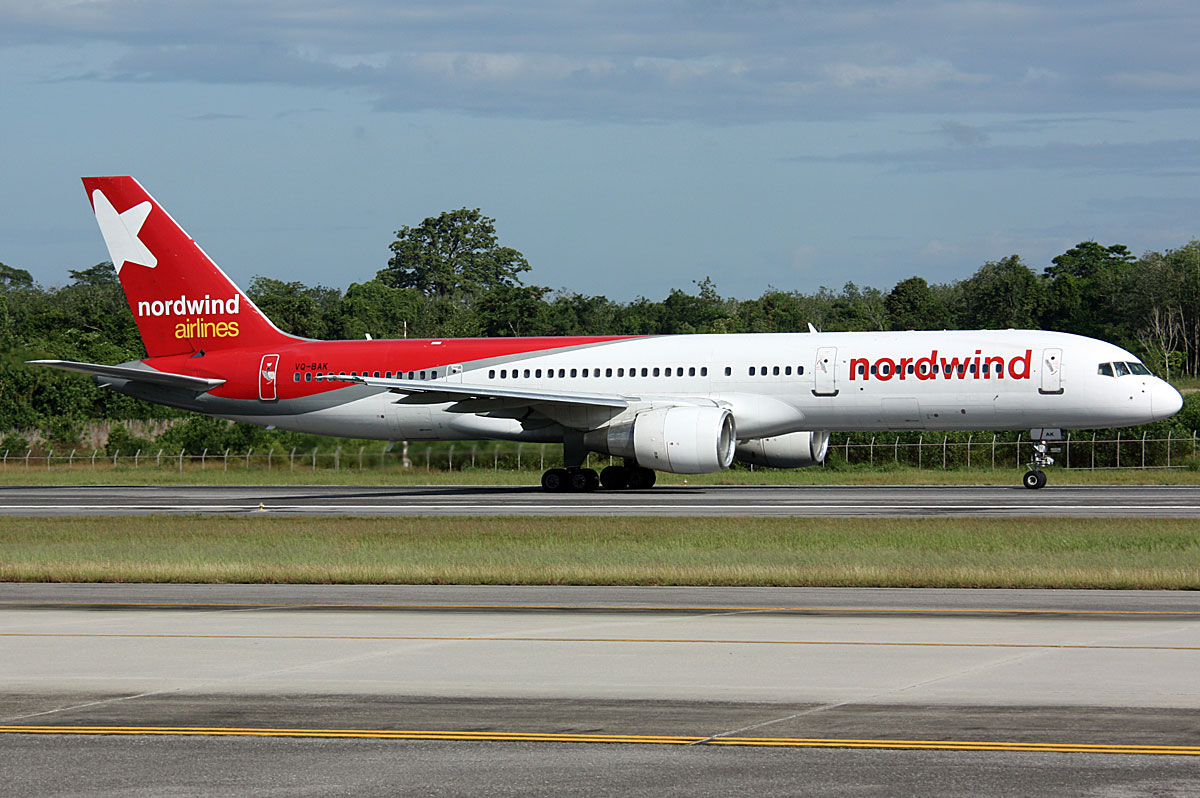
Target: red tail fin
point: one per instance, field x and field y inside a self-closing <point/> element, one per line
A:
<point x="181" y="300"/>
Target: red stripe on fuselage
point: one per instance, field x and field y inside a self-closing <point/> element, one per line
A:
<point x="239" y="367"/>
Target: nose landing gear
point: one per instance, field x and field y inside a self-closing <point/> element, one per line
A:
<point x="1035" y="477"/>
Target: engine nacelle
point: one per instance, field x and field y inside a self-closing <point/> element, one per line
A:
<point x="794" y="450"/>
<point x="680" y="440"/>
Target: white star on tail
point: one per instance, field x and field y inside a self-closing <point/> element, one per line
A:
<point x="120" y="231"/>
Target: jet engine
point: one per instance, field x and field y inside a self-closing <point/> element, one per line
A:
<point x="680" y="440"/>
<point x="794" y="450"/>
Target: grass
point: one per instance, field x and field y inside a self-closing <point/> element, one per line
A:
<point x="1010" y="553"/>
<point x="853" y="475"/>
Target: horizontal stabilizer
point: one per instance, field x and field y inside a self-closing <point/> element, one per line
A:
<point x="134" y="374"/>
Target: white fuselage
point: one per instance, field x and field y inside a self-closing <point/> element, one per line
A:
<point x="780" y="383"/>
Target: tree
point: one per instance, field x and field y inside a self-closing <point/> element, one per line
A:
<point x="380" y="311"/>
<point x="452" y="254"/>
<point x="1002" y="294"/>
<point x="297" y="308"/>
<point x="1086" y="291"/>
<point x="14" y="278"/>
<point x="912" y="305"/>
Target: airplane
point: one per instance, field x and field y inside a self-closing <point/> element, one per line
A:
<point x="684" y="404"/>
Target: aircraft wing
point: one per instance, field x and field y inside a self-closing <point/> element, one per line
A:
<point x="481" y="396"/>
<point x="134" y="374"/>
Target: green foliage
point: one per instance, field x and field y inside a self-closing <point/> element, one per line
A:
<point x="1003" y="294"/>
<point x="295" y="307"/>
<point x="120" y="439"/>
<point x="198" y="434"/>
<point x="14" y="443"/>
<point x="455" y="253"/>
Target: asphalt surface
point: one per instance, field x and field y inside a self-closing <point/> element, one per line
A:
<point x="175" y="689"/>
<point x="855" y="501"/>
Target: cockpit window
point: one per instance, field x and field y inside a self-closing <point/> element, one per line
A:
<point x="1123" y="369"/>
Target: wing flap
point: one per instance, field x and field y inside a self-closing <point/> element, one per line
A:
<point x="134" y="374"/>
<point x="437" y="392"/>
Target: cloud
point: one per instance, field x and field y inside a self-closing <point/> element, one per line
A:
<point x="1179" y="157"/>
<point x="705" y="60"/>
<point x="216" y="117"/>
<point x="963" y="135"/>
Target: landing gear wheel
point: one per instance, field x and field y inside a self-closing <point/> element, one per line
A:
<point x="584" y="480"/>
<point x="1034" y="479"/>
<point x="642" y="477"/>
<point x="615" y="478"/>
<point x="556" y="480"/>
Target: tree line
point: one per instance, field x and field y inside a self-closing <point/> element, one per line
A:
<point x="450" y="277"/>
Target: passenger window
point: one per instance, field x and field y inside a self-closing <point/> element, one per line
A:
<point x="728" y="371"/>
<point x="787" y="371"/>
<point x="775" y="371"/>
<point x="752" y="371"/>
<point x="585" y="372"/>
<point x="537" y="373"/>
<point x="526" y="373"/>
<point x="608" y="372"/>
<point x="574" y="372"/>
<point x="422" y="375"/>
<point x="620" y="372"/>
<point x="704" y="371"/>
<point x="388" y="374"/>
<point x="503" y="374"/>
<point x="668" y="371"/>
<point x="295" y="376"/>
<point x="1105" y="370"/>
<point x="1121" y="368"/>
<point x="308" y="376"/>
<point x="645" y="371"/>
<point x="764" y="371"/>
<point x="691" y="371"/>
<point x="376" y="374"/>
<point x="656" y="371"/>
<point x="562" y="373"/>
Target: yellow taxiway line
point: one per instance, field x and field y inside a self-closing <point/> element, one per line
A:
<point x="551" y="737"/>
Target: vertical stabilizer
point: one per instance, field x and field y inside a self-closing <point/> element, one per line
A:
<point x="181" y="300"/>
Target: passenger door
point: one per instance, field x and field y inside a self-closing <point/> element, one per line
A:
<point x="825" y="372"/>
<point x="1051" y="371"/>
<point x="268" y="372"/>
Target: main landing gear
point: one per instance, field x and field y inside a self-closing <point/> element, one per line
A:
<point x="585" y="480"/>
<point x="1035" y="477"/>
<point x="574" y="478"/>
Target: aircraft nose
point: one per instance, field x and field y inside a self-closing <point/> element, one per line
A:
<point x="1165" y="401"/>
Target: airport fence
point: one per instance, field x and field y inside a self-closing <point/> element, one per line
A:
<point x="948" y="451"/>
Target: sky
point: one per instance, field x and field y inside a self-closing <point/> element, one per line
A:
<point x="626" y="148"/>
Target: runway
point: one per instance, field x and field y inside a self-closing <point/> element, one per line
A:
<point x="853" y="501"/>
<point x="451" y="689"/>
